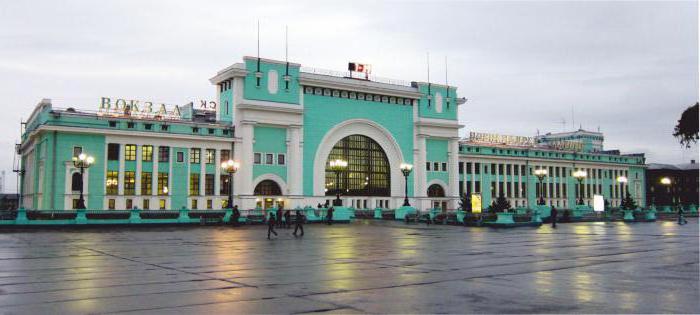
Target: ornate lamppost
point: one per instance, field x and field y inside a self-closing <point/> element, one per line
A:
<point x="668" y="183"/>
<point x="580" y="175"/>
<point x="82" y="162"/>
<point x="541" y="173"/>
<point x="406" y="170"/>
<point x="230" y="167"/>
<point x="338" y="166"/>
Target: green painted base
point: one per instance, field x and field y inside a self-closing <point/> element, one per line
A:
<point x="544" y="210"/>
<point x="581" y="210"/>
<point x="629" y="215"/>
<point x="400" y="213"/>
<point x="460" y="216"/>
<point x="504" y="218"/>
<point x="650" y="215"/>
<point x="378" y="213"/>
<point x="342" y="214"/>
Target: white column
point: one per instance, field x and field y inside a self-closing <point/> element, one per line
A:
<point x="120" y="187"/>
<point x="202" y="173"/>
<point x="294" y="161"/>
<point x="154" y="174"/>
<point x="217" y="172"/>
<point x="419" y="158"/>
<point x="137" y="176"/>
<point x="453" y="155"/>
<point x="243" y="179"/>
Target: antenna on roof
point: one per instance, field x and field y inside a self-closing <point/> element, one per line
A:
<point x="286" y="57"/>
<point x="573" y="124"/>
<point x="447" y="84"/>
<point x="258" y="74"/>
<point x="428" y="62"/>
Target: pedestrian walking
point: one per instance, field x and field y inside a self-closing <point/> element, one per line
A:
<point x="329" y="216"/>
<point x="271" y="225"/>
<point x="279" y="215"/>
<point x="299" y="220"/>
<point x="554" y="217"/>
<point x="287" y="219"/>
<point x="681" y="217"/>
<point x="235" y="215"/>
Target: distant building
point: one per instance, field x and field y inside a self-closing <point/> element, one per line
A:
<point x="682" y="186"/>
<point x="9" y="201"/>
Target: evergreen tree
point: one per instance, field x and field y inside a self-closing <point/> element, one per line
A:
<point x="628" y="203"/>
<point x="465" y="203"/>
<point x="501" y="204"/>
<point x="687" y="128"/>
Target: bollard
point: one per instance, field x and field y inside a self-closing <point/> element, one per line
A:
<point x="378" y="213"/>
<point x="80" y="217"/>
<point x="184" y="216"/>
<point x="134" y="216"/>
<point x="21" y="216"/>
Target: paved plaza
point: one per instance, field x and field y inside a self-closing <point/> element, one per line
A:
<point x="362" y="267"/>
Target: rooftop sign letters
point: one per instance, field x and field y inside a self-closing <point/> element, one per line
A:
<point x="500" y="139"/>
<point x="148" y="109"/>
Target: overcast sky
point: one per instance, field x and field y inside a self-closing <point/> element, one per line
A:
<point x="628" y="68"/>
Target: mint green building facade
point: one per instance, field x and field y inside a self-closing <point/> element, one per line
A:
<point x="284" y="124"/>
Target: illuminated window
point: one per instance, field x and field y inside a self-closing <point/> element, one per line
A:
<point x="129" y="183"/>
<point x="267" y="188"/>
<point x="111" y="204"/>
<point x="162" y="184"/>
<point x="367" y="173"/>
<point x="146" y="183"/>
<point x="146" y="204"/>
<point x="194" y="204"/>
<point x="130" y="152"/>
<point x="224" y="185"/>
<point x="112" y="182"/>
<point x="161" y="204"/>
<point x="210" y="204"/>
<point x="147" y="153"/>
<point x="211" y="155"/>
<point x="129" y="204"/>
<point x="195" y="155"/>
<point x="225" y="155"/>
<point x="194" y="184"/>
<point x="209" y="184"/>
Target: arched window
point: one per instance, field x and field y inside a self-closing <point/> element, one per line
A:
<point x="267" y="188"/>
<point x="368" y="172"/>
<point x="436" y="190"/>
<point x="76" y="181"/>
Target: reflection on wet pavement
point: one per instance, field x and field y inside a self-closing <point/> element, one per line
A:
<point x="363" y="267"/>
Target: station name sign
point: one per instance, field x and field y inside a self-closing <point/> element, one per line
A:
<point x="147" y="109"/>
<point x="500" y="139"/>
<point x="566" y="145"/>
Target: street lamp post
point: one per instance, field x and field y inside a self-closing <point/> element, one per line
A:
<point x="668" y="183"/>
<point x="338" y="166"/>
<point x="82" y="162"/>
<point x="230" y="167"/>
<point x="406" y="170"/>
<point x="580" y="175"/>
<point x="541" y="173"/>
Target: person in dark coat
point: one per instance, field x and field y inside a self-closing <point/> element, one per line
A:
<point x="271" y="225"/>
<point x="554" y="217"/>
<point x="299" y="220"/>
<point x="681" y="217"/>
<point x="279" y="216"/>
<point x="329" y="216"/>
<point x="235" y="215"/>
<point x="287" y="219"/>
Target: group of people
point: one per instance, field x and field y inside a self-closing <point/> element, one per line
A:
<point x="275" y="220"/>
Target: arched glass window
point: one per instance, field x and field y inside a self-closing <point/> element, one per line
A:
<point x="267" y="188"/>
<point x="436" y="190"/>
<point x="76" y="181"/>
<point x="368" y="172"/>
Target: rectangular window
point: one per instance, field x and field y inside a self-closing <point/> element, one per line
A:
<point x="516" y="170"/>
<point x="211" y="131"/>
<point x="209" y="184"/>
<point x="224" y="185"/>
<point x="477" y="168"/>
<point x="522" y="170"/>
<point x="194" y="184"/>
<point x="225" y="155"/>
<point x="146" y="204"/>
<point x="257" y="158"/>
<point x="75" y="204"/>
<point x="111" y="204"/>
<point x="129" y="183"/>
<point x="444" y="167"/>
<point x="507" y="169"/>
<point x="477" y="187"/>
<point x="195" y="155"/>
<point x="112" y="184"/>
<point x="148" y="126"/>
<point x="493" y="189"/>
<point x="130" y="152"/>
<point x="469" y="167"/>
<point x="194" y="204"/>
<point x="436" y="166"/>
<point x="180" y="157"/>
<point x="147" y="153"/>
<point x="493" y="168"/>
<point x="556" y="171"/>
<point x="460" y="170"/>
<point x="130" y="125"/>
<point x="427" y="166"/>
<point x="112" y="123"/>
<point x="77" y="151"/>
<point x="164" y="127"/>
<point x="280" y="159"/>
<point x="500" y="169"/>
<point x="146" y="183"/>
<point x="563" y="172"/>
<point x="210" y="204"/>
<point x="269" y="158"/>
<point x="113" y="152"/>
<point x="163" y="154"/>
<point x="129" y="204"/>
<point x="162" y="184"/>
<point x="161" y="204"/>
<point x="211" y="156"/>
<point x="563" y="190"/>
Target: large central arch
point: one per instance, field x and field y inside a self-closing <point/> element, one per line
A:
<point x="366" y="128"/>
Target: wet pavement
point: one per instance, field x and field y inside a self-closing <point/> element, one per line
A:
<point x="363" y="267"/>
